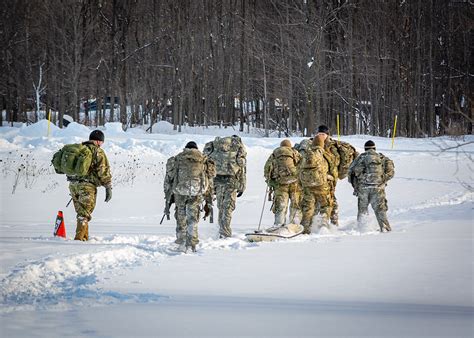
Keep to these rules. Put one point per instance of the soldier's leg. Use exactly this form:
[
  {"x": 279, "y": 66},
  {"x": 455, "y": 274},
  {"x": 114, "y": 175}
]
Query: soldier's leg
[
  {"x": 334, "y": 206},
  {"x": 220, "y": 202},
  {"x": 362, "y": 204},
  {"x": 294, "y": 196},
  {"x": 230, "y": 197},
  {"x": 324, "y": 202},
  {"x": 307, "y": 209},
  {"x": 379, "y": 204},
  {"x": 280, "y": 206},
  {"x": 84, "y": 198},
  {"x": 180, "y": 214},
  {"x": 192, "y": 219}
]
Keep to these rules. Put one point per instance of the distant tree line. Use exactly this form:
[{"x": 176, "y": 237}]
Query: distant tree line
[{"x": 273, "y": 64}]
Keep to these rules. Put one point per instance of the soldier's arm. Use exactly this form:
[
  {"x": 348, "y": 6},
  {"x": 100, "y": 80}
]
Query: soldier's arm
[
  {"x": 103, "y": 169},
  {"x": 389, "y": 169},
  {"x": 242, "y": 162},
  {"x": 267, "y": 169}
]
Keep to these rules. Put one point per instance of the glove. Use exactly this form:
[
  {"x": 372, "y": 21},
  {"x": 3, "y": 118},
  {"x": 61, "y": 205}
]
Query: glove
[
  {"x": 239, "y": 193},
  {"x": 108, "y": 193},
  {"x": 207, "y": 211}
]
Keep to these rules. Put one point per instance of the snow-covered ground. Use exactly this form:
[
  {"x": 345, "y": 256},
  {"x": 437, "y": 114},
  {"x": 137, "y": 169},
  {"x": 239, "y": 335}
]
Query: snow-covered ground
[{"x": 414, "y": 281}]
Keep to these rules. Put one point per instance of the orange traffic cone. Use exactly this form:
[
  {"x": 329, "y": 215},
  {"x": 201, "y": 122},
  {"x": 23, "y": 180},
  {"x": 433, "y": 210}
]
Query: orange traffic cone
[{"x": 60, "y": 228}]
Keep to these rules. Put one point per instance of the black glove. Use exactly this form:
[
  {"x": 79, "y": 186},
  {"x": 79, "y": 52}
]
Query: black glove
[
  {"x": 207, "y": 211},
  {"x": 108, "y": 193},
  {"x": 239, "y": 193}
]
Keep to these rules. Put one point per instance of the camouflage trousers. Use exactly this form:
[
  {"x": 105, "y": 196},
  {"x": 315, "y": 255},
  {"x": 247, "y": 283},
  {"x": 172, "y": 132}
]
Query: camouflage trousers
[
  {"x": 375, "y": 196},
  {"x": 316, "y": 201},
  {"x": 284, "y": 194},
  {"x": 334, "y": 217},
  {"x": 84, "y": 198},
  {"x": 226, "y": 195},
  {"x": 187, "y": 218}
]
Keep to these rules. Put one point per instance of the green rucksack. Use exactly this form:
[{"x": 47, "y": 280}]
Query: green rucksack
[
  {"x": 347, "y": 154},
  {"x": 73, "y": 160}
]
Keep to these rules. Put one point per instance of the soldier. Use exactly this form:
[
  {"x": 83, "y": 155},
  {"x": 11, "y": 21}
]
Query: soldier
[
  {"x": 83, "y": 189},
  {"x": 369, "y": 174},
  {"x": 189, "y": 175},
  {"x": 339, "y": 155},
  {"x": 281, "y": 176},
  {"x": 229, "y": 156},
  {"x": 313, "y": 177}
]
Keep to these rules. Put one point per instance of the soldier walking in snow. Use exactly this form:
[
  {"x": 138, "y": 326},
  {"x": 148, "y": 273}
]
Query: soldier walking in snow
[
  {"x": 369, "y": 174},
  {"x": 281, "y": 175},
  {"x": 86, "y": 167},
  {"x": 188, "y": 179},
  {"x": 229, "y": 156},
  {"x": 339, "y": 155},
  {"x": 313, "y": 177}
]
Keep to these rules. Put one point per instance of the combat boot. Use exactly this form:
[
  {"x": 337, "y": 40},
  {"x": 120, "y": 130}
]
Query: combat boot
[
  {"x": 82, "y": 231},
  {"x": 385, "y": 227}
]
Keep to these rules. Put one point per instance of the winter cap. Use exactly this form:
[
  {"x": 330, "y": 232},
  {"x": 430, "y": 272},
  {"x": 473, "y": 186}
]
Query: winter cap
[
  {"x": 191, "y": 145},
  {"x": 97, "y": 135},
  {"x": 323, "y": 129},
  {"x": 285, "y": 143},
  {"x": 369, "y": 145}
]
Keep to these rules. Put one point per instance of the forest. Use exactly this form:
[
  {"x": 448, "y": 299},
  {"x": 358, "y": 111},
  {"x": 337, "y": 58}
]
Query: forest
[{"x": 270, "y": 64}]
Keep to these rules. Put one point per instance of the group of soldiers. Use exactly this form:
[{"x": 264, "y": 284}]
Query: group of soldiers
[{"x": 302, "y": 178}]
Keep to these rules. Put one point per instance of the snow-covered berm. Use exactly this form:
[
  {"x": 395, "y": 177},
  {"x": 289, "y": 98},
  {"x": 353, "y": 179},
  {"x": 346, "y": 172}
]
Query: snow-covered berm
[{"x": 126, "y": 281}]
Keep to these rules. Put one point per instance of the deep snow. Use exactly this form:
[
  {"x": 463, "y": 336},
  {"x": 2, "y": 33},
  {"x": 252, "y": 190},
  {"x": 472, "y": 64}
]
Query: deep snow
[{"x": 415, "y": 281}]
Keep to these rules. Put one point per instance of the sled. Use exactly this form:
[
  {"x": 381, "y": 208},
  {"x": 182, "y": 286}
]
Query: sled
[{"x": 275, "y": 233}]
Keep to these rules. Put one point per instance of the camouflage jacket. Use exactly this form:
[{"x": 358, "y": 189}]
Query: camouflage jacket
[
  {"x": 99, "y": 171},
  {"x": 371, "y": 169}
]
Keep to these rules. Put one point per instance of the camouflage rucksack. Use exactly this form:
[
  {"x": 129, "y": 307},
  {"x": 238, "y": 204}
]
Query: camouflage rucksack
[
  {"x": 347, "y": 154},
  {"x": 225, "y": 151},
  {"x": 192, "y": 173},
  {"x": 374, "y": 169},
  {"x": 313, "y": 169},
  {"x": 169, "y": 176},
  {"x": 73, "y": 160},
  {"x": 281, "y": 166}
]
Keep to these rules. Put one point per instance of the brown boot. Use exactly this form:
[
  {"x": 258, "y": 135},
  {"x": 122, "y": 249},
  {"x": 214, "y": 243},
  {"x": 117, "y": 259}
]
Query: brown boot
[{"x": 82, "y": 231}]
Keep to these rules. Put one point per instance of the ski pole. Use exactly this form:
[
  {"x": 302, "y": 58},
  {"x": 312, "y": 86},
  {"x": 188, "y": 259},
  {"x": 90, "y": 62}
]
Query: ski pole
[
  {"x": 263, "y": 208},
  {"x": 69, "y": 202}
]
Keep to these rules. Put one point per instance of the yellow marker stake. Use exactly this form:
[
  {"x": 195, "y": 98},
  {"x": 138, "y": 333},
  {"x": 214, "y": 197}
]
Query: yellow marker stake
[
  {"x": 49, "y": 121},
  {"x": 394, "y": 130},
  {"x": 337, "y": 123}
]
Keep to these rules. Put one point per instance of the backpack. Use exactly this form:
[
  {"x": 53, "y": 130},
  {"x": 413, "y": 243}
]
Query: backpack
[
  {"x": 169, "y": 176},
  {"x": 377, "y": 169},
  {"x": 313, "y": 169},
  {"x": 192, "y": 173},
  {"x": 73, "y": 160},
  {"x": 282, "y": 167},
  {"x": 224, "y": 152},
  {"x": 347, "y": 154}
]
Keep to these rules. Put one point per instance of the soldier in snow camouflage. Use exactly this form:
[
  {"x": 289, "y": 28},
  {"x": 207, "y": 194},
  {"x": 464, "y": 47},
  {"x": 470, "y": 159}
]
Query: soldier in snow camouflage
[
  {"x": 369, "y": 174},
  {"x": 188, "y": 179},
  {"x": 229, "y": 156}
]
